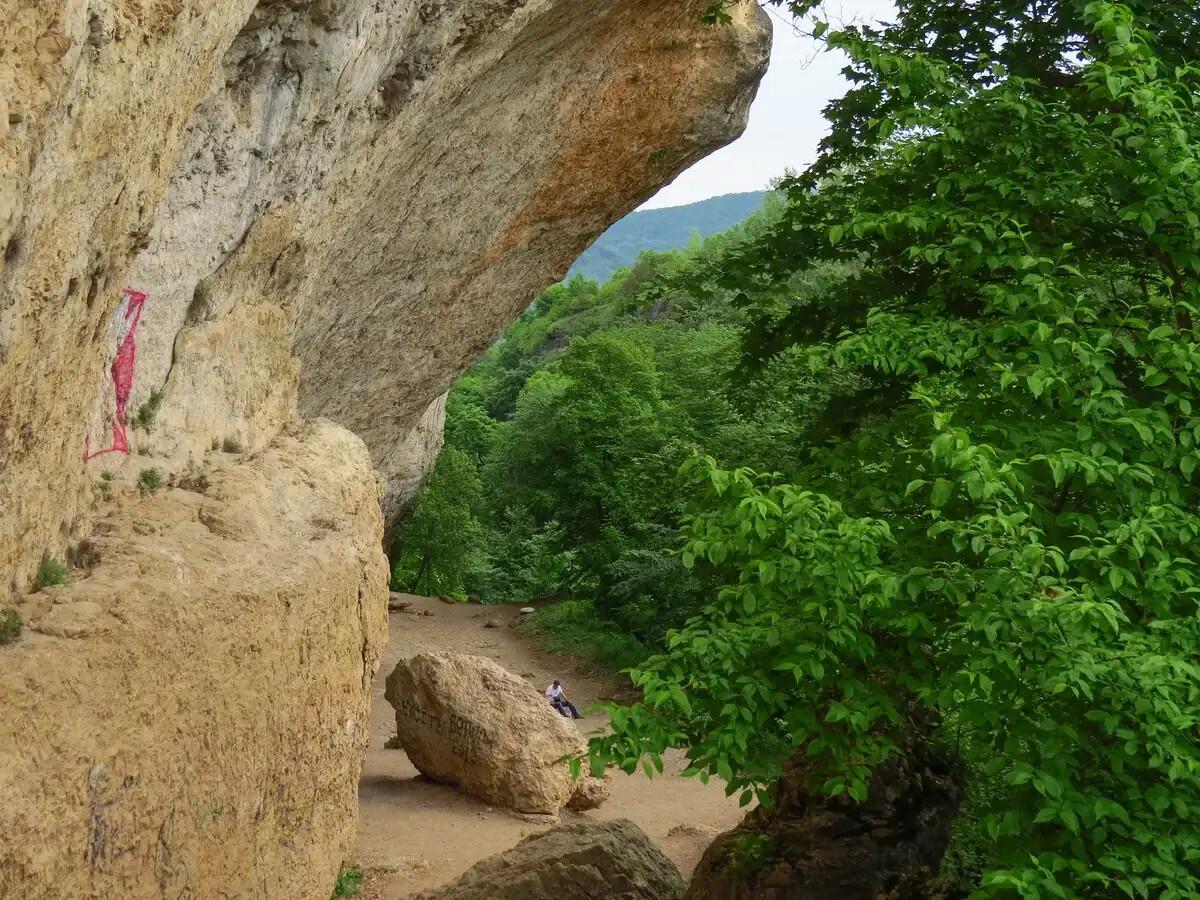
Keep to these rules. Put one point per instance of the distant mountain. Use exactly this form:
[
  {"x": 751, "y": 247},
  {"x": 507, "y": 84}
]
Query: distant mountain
[{"x": 668, "y": 228}]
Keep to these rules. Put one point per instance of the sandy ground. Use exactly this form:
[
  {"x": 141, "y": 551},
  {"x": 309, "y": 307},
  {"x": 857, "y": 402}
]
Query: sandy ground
[{"x": 414, "y": 834}]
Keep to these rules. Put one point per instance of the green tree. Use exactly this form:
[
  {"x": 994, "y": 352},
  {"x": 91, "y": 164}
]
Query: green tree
[
  {"x": 579, "y": 433},
  {"x": 468, "y": 426},
  {"x": 590, "y": 402},
  {"x": 433, "y": 549},
  {"x": 992, "y": 523}
]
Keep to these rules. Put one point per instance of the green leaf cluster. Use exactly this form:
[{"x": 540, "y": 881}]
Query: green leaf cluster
[{"x": 991, "y": 523}]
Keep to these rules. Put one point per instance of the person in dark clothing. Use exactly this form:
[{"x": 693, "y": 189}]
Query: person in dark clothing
[{"x": 559, "y": 701}]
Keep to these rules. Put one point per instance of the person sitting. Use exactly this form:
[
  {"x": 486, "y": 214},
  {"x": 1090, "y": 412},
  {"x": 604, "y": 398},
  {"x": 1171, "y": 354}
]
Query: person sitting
[{"x": 559, "y": 701}]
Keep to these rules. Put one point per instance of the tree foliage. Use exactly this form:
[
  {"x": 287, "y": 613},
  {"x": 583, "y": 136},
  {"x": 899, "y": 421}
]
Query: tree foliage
[
  {"x": 992, "y": 520},
  {"x": 936, "y": 413},
  {"x": 438, "y": 537}
]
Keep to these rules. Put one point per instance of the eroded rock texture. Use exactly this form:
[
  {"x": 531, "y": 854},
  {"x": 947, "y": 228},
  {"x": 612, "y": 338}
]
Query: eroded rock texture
[
  {"x": 815, "y": 847},
  {"x": 581, "y": 861},
  {"x": 335, "y": 205},
  {"x": 186, "y": 719},
  {"x": 327, "y": 208}
]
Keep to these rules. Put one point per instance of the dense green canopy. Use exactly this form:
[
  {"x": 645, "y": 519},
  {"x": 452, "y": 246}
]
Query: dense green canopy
[{"x": 997, "y": 523}]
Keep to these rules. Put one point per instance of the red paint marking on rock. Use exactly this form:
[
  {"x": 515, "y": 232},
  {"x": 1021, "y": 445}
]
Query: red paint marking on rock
[{"x": 121, "y": 371}]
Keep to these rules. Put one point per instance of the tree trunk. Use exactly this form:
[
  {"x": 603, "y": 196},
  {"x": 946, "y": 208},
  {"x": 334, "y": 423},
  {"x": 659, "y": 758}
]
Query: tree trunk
[
  {"x": 833, "y": 848},
  {"x": 425, "y": 560}
]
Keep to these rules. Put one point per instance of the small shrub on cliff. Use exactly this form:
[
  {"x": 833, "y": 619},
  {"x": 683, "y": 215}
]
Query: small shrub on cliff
[
  {"x": 231, "y": 445},
  {"x": 149, "y": 481},
  {"x": 148, "y": 412},
  {"x": 10, "y": 626},
  {"x": 349, "y": 883},
  {"x": 50, "y": 573}
]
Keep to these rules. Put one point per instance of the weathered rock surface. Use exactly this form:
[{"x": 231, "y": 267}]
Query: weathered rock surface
[
  {"x": 333, "y": 206},
  {"x": 187, "y": 718},
  {"x": 833, "y": 848},
  {"x": 330, "y": 208},
  {"x": 590, "y": 793},
  {"x": 411, "y": 458},
  {"x": 467, "y": 721},
  {"x": 584, "y": 861}
]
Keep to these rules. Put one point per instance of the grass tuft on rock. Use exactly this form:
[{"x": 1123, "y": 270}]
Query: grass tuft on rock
[
  {"x": 10, "y": 626},
  {"x": 50, "y": 573},
  {"x": 149, "y": 481},
  {"x": 349, "y": 883}
]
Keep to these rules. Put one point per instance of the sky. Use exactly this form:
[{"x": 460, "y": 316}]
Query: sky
[{"x": 785, "y": 119}]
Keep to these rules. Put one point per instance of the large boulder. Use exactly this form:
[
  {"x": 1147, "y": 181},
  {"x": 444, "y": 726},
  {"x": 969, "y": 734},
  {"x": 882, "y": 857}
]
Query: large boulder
[
  {"x": 581, "y": 861},
  {"x": 833, "y": 848},
  {"x": 466, "y": 721},
  {"x": 187, "y": 717}
]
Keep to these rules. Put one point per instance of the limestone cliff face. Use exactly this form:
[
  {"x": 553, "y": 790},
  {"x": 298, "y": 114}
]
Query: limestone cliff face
[
  {"x": 329, "y": 205},
  {"x": 409, "y": 459},
  {"x": 219, "y": 221},
  {"x": 187, "y": 718}
]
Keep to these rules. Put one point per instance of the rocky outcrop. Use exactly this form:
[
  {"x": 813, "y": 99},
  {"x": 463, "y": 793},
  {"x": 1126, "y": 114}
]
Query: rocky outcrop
[
  {"x": 590, "y": 793},
  {"x": 319, "y": 209},
  {"x": 411, "y": 458},
  {"x": 331, "y": 207},
  {"x": 585, "y": 861},
  {"x": 187, "y": 717},
  {"x": 466, "y": 721},
  {"x": 815, "y": 847}
]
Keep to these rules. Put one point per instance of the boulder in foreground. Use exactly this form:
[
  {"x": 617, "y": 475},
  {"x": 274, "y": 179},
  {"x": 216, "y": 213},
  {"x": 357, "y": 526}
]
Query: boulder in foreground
[
  {"x": 581, "y": 861},
  {"x": 590, "y": 793},
  {"x": 833, "y": 848},
  {"x": 188, "y": 717},
  {"x": 466, "y": 721}
]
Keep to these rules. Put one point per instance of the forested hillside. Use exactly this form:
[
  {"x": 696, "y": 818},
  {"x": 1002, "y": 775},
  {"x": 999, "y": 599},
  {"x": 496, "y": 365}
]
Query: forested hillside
[
  {"x": 900, "y": 476},
  {"x": 563, "y": 442},
  {"x": 667, "y": 228}
]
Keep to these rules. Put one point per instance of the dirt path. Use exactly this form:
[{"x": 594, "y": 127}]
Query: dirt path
[{"x": 413, "y": 834}]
